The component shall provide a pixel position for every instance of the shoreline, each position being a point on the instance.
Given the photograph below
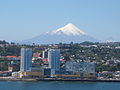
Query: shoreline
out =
(52, 80)
(78, 80)
(15, 79)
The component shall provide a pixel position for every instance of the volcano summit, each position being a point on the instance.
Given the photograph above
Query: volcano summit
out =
(68, 33)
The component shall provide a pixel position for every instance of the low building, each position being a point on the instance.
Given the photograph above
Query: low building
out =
(36, 55)
(83, 67)
(82, 70)
(111, 62)
(47, 72)
(89, 75)
(74, 75)
(15, 74)
(5, 73)
(13, 67)
(30, 74)
(117, 74)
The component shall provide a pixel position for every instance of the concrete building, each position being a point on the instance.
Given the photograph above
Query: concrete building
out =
(54, 60)
(47, 72)
(83, 67)
(15, 74)
(27, 70)
(30, 74)
(81, 70)
(26, 60)
(45, 54)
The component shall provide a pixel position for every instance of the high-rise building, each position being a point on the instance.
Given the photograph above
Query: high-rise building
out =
(54, 59)
(26, 59)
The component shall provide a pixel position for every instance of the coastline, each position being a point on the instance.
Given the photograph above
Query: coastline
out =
(65, 80)
(79, 80)
(15, 79)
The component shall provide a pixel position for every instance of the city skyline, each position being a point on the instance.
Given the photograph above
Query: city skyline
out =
(22, 20)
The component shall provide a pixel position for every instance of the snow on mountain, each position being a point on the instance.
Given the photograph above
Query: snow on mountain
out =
(69, 29)
(68, 33)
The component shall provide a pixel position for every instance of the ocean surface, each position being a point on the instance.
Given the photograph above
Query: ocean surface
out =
(20, 85)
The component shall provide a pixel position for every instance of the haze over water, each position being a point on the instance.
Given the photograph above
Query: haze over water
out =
(19, 85)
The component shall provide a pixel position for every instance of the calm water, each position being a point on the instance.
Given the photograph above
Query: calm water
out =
(10, 85)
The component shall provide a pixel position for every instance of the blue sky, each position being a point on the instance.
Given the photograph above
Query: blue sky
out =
(23, 19)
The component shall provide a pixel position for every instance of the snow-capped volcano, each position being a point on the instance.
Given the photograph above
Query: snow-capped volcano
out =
(69, 29)
(68, 33)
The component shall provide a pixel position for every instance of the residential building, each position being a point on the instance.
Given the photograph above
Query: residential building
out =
(26, 59)
(54, 60)
(13, 67)
(45, 54)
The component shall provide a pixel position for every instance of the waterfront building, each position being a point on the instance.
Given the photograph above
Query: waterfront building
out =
(83, 67)
(81, 70)
(54, 60)
(27, 69)
(15, 74)
(47, 72)
(73, 75)
(26, 60)
(30, 74)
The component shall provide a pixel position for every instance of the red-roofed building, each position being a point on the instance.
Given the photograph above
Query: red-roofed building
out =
(44, 60)
(61, 59)
(11, 56)
(36, 54)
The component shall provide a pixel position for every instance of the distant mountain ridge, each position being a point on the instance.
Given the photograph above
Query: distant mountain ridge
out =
(68, 33)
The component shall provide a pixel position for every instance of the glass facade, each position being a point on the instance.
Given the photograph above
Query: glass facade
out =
(87, 67)
(26, 59)
(54, 59)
